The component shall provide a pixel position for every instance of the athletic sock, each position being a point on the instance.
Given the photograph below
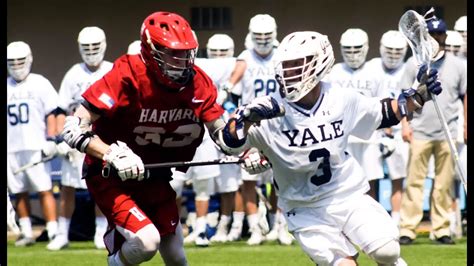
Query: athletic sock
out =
(25, 227)
(201, 224)
(52, 228)
(63, 225)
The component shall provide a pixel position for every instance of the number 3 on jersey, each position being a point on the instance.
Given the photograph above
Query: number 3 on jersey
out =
(323, 173)
(263, 88)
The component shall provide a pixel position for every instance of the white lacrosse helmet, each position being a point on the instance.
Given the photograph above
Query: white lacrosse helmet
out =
(92, 45)
(263, 33)
(393, 48)
(354, 47)
(454, 42)
(461, 24)
(220, 45)
(134, 47)
(19, 60)
(302, 60)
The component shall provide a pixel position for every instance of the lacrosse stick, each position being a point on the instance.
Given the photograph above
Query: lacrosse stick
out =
(413, 26)
(31, 164)
(226, 160)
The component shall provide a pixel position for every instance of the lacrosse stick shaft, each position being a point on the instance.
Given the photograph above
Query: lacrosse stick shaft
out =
(29, 165)
(452, 147)
(108, 170)
(263, 198)
(226, 160)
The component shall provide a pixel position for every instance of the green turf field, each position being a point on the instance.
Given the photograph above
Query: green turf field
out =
(423, 252)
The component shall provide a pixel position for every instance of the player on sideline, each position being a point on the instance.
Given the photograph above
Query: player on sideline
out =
(92, 45)
(150, 108)
(321, 188)
(31, 126)
(353, 73)
(389, 68)
(255, 70)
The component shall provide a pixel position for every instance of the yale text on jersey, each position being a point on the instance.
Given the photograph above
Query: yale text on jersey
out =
(307, 136)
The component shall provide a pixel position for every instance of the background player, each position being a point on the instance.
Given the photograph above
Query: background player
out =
(92, 45)
(354, 74)
(389, 68)
(31, 101)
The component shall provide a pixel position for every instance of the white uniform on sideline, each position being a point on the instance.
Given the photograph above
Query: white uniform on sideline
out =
(28, 104)
(219, 70)
(77, 79)
(389, 86)
(355, 74)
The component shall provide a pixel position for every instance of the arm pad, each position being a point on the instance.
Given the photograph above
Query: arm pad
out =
(388, 116)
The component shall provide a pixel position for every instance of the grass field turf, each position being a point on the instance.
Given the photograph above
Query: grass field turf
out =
(422, 252)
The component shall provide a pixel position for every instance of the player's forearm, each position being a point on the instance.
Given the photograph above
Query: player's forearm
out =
(238, 72)
(51, 125)
(60, 119)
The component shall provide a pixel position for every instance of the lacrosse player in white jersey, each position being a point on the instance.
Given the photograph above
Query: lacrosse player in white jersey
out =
(455, 44)
(255, 70)
(353, 73)
(92, 45)
(321, 187)
(219, 66)
(389, 68)
(31, 127)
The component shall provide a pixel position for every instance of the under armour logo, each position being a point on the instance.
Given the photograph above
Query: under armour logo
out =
(290, 213)
(435, 24)
(326, 113)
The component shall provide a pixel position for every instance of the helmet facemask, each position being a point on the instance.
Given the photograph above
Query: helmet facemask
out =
(92, 53)
(173, 63)
(263, 42)
(297, 77)
(392, 58)
(354, 56)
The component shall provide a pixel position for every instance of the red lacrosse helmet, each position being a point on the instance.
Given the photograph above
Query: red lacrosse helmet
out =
(168, 47)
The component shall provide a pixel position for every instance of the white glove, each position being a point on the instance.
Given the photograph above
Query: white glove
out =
(128, 164)
(49, 148)
(63, 148)
(254, 162)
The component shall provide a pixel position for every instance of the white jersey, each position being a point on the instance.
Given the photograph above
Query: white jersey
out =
(28, 104)
(388, 82)
(259, 76)
(77, 79)
(218, 69)
(361, 80)
(307, 148)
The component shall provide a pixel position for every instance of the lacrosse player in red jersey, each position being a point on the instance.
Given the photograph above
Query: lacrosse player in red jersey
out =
(321, 188)
(150, 108)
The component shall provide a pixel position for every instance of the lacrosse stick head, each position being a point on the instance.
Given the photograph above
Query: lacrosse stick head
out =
(413, 26)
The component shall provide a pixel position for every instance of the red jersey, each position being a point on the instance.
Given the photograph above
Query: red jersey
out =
(159, 124)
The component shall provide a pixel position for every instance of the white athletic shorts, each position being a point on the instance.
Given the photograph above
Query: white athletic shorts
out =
(71, 170)
(229, 179)
(398, 160)
(331, 232)
(262, 178)
(369, 157)
(34, 179)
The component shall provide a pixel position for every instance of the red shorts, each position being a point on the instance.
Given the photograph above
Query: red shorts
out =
(134, 204)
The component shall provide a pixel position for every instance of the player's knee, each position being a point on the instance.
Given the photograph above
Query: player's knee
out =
(201, 189)
(387, 254)
(143, 246)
